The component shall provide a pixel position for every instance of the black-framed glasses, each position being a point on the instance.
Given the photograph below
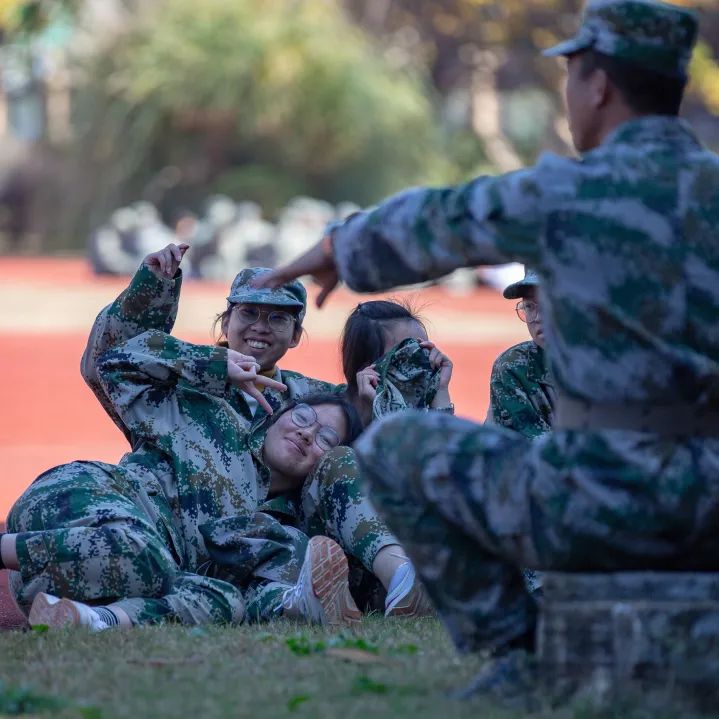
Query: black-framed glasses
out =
(527, 310)
(278, 320)
(304, 416)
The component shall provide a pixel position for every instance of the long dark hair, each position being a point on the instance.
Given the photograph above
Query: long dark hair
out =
(363, 337)
(339, 399)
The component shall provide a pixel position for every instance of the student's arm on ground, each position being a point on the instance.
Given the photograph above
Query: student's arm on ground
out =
(150, 302)
(423, 234)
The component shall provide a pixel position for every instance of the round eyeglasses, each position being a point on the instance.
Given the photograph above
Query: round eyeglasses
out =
(527, 310)
(304, 416)
(278, 320)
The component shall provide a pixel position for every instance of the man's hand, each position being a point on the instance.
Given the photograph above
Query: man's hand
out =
(317, 262)
(165, 262)
(242, 372)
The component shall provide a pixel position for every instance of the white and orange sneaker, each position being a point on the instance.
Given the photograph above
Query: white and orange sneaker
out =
(406, 597)
(322, 594)
(53, 612)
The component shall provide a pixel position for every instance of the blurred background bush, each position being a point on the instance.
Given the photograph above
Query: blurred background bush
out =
(171, 103)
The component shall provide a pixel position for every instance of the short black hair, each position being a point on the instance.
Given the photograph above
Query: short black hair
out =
(644, 91)
(363, 337)
(339, 399)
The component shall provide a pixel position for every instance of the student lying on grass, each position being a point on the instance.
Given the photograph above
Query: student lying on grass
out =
(266, 324)
(140, 540)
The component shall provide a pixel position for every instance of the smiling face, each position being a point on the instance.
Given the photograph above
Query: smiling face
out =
(291, 451)
(259, 340)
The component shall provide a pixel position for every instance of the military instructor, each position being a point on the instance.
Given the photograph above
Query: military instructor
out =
(624, 241)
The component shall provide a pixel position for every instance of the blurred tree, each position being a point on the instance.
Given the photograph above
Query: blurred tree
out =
(488, 51)
(262, 103)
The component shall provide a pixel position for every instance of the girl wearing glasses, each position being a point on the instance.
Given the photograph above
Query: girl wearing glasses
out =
(263, 324)
(102, 545)
(521, 395)
(389, 364)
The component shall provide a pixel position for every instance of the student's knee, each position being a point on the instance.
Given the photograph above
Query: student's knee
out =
(390, 452)
(151, 569)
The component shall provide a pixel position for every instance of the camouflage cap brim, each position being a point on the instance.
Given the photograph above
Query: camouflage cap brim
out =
(516, 291)
(569, 47)
(264, 297)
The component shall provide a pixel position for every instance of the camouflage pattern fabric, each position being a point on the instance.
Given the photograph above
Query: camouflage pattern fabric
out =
(521, 394)
(331, 503)
(151, 303)
(471, 504)
(630, 306)
(624, 243)
(96, 533)
(406, 379)
(651, 34)
(293, 294)
(185, 471)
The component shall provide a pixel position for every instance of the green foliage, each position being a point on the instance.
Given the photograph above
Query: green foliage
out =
(15, 701)
(364, 684)
(263, 104)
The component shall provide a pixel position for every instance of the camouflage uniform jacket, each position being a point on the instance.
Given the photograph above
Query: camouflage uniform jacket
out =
(624, 243)
(521, 394)
(192, 455)
(151, 303)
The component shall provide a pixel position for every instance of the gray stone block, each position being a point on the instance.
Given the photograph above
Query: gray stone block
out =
(620, 634)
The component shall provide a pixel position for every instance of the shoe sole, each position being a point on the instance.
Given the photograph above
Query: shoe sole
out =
(11, 616)
(329, 582)
(53, 614)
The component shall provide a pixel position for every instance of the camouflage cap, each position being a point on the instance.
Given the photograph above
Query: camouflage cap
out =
(655, 35)
(516, 289)
(293, 294)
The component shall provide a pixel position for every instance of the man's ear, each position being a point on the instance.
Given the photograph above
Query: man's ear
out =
(601, 89)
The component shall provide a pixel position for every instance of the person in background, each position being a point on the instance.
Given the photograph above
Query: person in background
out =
(521, 394)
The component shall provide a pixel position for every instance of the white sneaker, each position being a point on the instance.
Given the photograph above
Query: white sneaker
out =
(55, 613)
(406, 596)
(322, 593)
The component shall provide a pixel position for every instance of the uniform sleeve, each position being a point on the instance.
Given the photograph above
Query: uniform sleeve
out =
(149, 303)
(143, 378)
(510, 404)
(423, 234)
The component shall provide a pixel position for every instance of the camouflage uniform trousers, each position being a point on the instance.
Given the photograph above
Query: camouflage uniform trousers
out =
(263, 553)
(472, 504)
(89, 532)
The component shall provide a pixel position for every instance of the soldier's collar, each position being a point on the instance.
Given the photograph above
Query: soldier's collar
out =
(650, 129)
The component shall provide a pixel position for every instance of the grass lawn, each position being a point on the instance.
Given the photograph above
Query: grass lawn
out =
(387, 668)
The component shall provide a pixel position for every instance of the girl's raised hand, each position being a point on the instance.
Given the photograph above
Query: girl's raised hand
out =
(367, 381)
(242, 371)
(165, 262)
(439, 361)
